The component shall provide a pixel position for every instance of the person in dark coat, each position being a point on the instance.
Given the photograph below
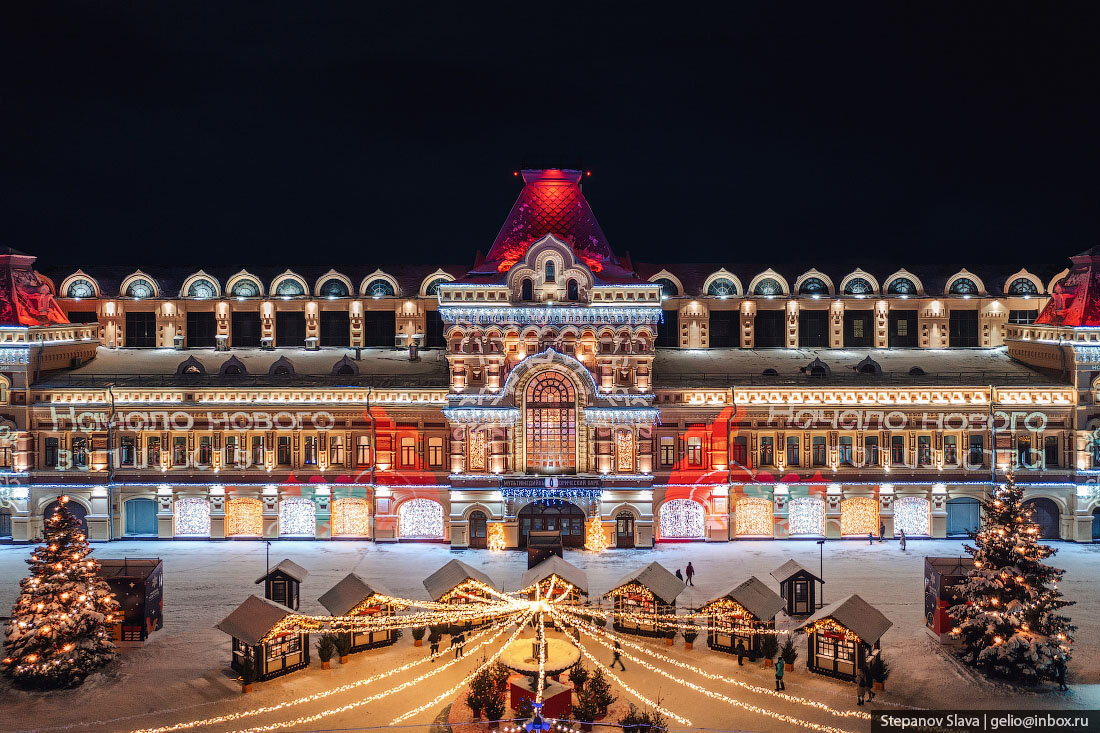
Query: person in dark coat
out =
(458, 642)
(690, 574)
(740, 652)
(679, 575)
(1060, 672)
(882, 531)
(617, 658)
(779, 664)
(870, 538)
(901, 539)
(861, 683)
(433, 641)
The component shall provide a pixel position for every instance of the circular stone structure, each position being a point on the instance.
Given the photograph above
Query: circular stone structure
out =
(522, 656)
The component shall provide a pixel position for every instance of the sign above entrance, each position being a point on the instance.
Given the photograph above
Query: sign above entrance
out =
(551, 487)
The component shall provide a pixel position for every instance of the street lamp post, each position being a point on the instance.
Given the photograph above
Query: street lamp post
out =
(821, 572)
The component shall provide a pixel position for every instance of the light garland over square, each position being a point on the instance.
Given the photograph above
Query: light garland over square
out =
(806, 515)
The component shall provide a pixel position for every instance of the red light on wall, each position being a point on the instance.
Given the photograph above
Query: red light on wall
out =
(515, 173)
(588, 173)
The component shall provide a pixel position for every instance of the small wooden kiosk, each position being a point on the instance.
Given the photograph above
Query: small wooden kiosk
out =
(543, 544)
(282, 582)
(798, 587)
(353, 596)
(453, 582)
(569, 582)
(739, 613)
(842, 636)
(942, 576)
(651, 591)
(138, 584)
(250, 625)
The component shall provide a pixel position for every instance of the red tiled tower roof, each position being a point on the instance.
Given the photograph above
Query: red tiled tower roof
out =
(551, 202)
(1075, 300)
(24, 299)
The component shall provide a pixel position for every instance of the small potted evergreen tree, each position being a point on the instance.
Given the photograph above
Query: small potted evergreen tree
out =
(670, 637)
(418, 635)
(248, 675)
(494, 706)
(586, 709)
(769, 647)
(880, 670)
(326, 649)
(689, 637)
(601, 692)
(343, 647)
(578, 675)
(789, 653)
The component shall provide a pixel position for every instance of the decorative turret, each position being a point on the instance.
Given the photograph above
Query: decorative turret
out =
(24, 299)
(1075, 300)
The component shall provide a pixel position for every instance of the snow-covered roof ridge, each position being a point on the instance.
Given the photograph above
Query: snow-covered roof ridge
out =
(756, 598)
(789, 568)
(554, 565)
(452, 574)
(656, 577)
(253, 619)
(349, 593)
(856, 615)
(287, 566)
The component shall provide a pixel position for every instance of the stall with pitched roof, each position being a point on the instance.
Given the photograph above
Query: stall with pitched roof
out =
(740, 614)
(282, 582)
(556, 578)
(648, 592)
(842, 637)
(353, 596)
(798, 587)
(458, 583)
(251, 627)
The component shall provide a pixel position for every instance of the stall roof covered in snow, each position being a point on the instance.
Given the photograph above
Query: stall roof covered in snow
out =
(349, 593)
(253, 619)
(452, 574)
(554, 565)
(756, 598)
(660, 582)
(287, 567)
(745, 367)
(856, 615)
(784, 572)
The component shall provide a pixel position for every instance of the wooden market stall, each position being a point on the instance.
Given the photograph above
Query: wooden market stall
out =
(458, 583)
(942, 576)
(650, 591)
(353, 596)
(282, 582)
(569, 582)
(842, 637)
(250, 625)
(739, 613)
(138, 584)
(798, 587)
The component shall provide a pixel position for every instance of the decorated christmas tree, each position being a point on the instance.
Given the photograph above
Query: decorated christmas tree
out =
(1009, 624)
(58, 633)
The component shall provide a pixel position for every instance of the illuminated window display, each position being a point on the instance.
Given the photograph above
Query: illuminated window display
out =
(297, 517)
(911, 515)
(682, 519)
(753, 517)
(421, 518)
(192, 517)
(859, 516)
(244, 517)
(807, 516)
(351, 517)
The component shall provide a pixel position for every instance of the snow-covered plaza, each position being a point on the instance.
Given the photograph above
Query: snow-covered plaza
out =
(182, 673)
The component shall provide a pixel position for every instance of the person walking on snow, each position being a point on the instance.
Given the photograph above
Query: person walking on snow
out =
(779, 663)
(617, 658)
(901, 540)
(690, 573)
(433, 640)
(458, 642)
(882, 532)
(870, 538)
(1060, 672)
(740, 653)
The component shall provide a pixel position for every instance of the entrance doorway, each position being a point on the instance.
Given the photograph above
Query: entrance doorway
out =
(77, 510)
(564, 517)
(624, 530)
(141, 518)
(963, 514)
(478, 530)
(1046, 515)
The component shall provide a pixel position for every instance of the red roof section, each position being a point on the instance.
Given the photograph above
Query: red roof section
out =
(24, 299)
(1075, 300)
(551, 202)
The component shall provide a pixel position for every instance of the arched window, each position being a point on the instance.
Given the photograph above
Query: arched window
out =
(811, 286)
(720, 287)
(551, 424)
(351, 517)
(550, 271)
(754, 517)
(140, 288)
(526, 290)
(768, 286)
(669, 289)
(858, 286)
(297, 517)
(245, 289)
(682, 519)
(420, 518)
(289, 287)
(963, 286)
(80, 289)
(1019, 286)
(433, 286)
(901, 286)
(334, 287)
(202, 288)
(572, 291)
(379, 288)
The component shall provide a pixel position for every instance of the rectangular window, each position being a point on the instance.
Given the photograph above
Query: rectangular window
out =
(962, 328)
(435, 452)
(792, 450)
(206, 449)
(695, 451)
(870, 451)
(230, 450)
(950, 450)
(80, 452)
(126, 451)
(362, 451)
(845, 451)
(179, 451)
(1023, 451)
(336, 450)
(1022, 316)
(740, 451)
(902, 329)
(859, 328)
(202, 328)
(433, 335)
(897, 450)
(245, 328)
(813, 329)
(408, 452)
(1050, 450)
(309, 450)
(258, 458)
(290, 329)
(152, 452)
(379, 328)
(282, 450)
(976, 451)
(820, 454)
(768, 329)
(724, 328)
(51, 451)
(335, 328)
(668, 451)
(668, 331)
(141, 330)
(924, 450)
(767, 451)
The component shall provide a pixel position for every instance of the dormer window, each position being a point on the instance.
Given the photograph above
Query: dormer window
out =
(526, 289)
(550, 277)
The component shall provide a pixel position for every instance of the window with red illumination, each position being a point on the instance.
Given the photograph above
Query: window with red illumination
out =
(695, 451)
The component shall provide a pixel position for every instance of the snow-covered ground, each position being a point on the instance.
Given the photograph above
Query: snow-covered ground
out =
(182, 674)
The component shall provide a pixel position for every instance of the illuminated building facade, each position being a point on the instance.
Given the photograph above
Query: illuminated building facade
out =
(552, 384)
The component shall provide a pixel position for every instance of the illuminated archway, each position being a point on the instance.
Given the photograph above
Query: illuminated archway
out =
(420, 519)
(754, 517)
(858, 516)
(551, 424)
(192, 517)
(682, 519)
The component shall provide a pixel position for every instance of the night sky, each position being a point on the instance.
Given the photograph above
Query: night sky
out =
(206, 132)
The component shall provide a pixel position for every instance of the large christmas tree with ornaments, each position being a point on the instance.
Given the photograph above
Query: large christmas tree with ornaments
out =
(1009, 624)
(59, 630)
